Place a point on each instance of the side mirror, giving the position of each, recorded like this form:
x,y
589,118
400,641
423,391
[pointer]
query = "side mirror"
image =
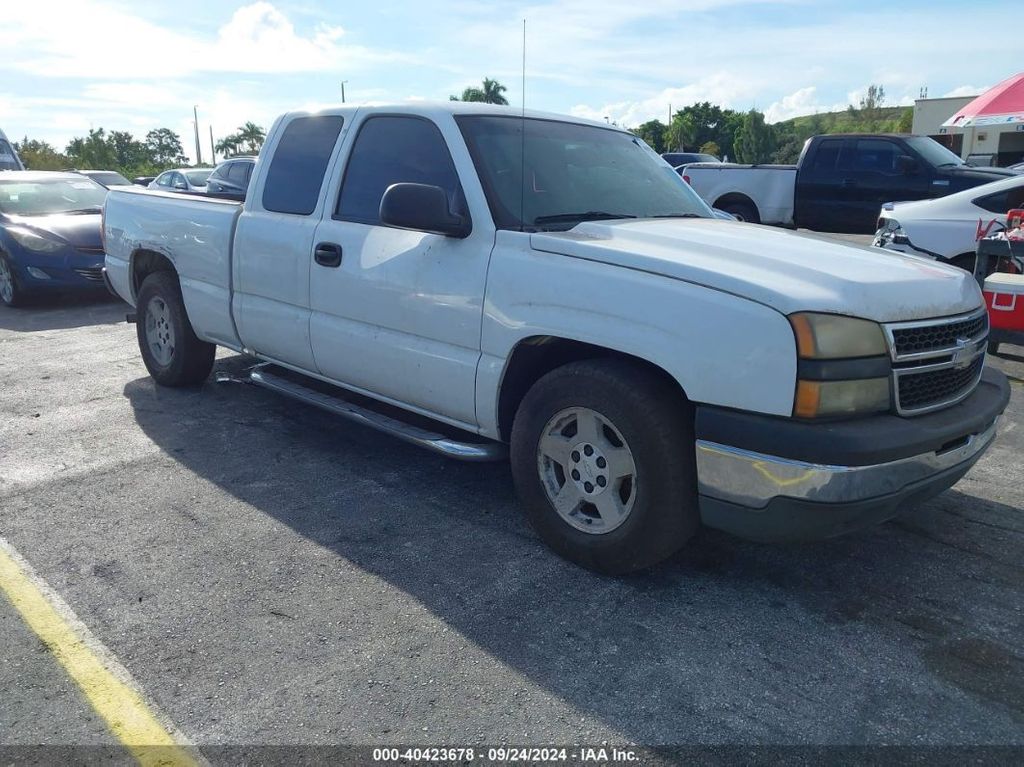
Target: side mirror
x,y
180,185
422,207
906,165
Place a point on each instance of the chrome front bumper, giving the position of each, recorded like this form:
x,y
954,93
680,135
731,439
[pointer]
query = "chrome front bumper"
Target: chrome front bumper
x,y
753,480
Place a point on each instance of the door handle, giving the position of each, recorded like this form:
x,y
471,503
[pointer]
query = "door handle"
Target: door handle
x,y
327,254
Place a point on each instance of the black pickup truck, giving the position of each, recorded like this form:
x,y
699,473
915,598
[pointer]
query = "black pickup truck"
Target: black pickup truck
x,y
840,181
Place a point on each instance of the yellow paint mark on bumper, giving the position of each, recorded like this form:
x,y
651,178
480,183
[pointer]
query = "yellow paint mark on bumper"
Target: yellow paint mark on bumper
x,y
117,702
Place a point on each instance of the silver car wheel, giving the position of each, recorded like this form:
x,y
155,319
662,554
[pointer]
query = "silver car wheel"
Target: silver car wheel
x,y
159,331
587,470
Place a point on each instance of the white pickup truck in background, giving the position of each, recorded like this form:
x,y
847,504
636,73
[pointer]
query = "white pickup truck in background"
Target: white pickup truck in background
x,y
469,278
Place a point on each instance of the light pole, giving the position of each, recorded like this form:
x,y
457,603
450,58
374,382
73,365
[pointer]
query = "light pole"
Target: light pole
x,y
343,91
213,151
199,153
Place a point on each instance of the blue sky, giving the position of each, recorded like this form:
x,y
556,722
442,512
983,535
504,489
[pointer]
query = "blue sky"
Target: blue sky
x,y
69,65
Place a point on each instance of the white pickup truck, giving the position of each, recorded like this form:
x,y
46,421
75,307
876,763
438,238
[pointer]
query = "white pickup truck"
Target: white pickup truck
x,y
468,278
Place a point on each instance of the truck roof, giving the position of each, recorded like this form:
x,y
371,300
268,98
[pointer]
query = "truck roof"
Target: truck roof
x,y
455,108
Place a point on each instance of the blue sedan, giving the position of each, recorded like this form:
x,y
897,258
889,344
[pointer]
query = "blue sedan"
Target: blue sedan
x,y
49,234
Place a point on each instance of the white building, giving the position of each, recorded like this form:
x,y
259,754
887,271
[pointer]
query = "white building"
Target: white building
x,y
983,145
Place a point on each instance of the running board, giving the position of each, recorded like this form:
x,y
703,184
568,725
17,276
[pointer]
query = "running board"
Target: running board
x,y
438,443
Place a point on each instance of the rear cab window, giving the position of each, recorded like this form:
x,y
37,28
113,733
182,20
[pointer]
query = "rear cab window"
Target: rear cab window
x,y
299,164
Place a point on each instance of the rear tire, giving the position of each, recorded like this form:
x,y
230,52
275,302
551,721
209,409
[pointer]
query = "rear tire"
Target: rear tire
x,y
744,211
173,354
603,459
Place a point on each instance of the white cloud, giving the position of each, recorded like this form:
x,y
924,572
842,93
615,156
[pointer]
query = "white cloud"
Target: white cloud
x,y
802,102
965,90
46,38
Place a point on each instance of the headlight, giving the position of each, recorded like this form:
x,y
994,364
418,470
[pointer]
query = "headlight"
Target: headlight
x,y
35,242
833,336
852,385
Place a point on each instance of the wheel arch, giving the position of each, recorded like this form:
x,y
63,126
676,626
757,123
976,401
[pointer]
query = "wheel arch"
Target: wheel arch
x,y
535,356
736,197
145,262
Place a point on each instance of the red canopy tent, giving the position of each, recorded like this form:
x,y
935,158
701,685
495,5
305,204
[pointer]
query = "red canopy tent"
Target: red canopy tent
x,y
1000,104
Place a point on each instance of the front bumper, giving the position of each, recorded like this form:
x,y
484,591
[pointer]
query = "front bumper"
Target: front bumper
x,y
778,479
62,271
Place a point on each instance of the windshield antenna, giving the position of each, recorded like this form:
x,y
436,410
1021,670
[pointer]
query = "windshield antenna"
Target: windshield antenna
x,y
522,145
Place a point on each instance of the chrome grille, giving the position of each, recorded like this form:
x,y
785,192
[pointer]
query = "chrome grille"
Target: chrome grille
x,y
929,338
936,363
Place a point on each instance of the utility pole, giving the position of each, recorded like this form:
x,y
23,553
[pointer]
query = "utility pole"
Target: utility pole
x,y
213,152
199,153
670,113
343,91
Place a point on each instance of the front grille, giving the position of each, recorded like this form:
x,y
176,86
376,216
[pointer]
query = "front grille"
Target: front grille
x,y
93,274
937,337
97,251
917,391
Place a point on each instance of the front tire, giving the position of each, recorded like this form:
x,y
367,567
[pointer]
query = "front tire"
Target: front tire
x,y
11,292
603,459
173,354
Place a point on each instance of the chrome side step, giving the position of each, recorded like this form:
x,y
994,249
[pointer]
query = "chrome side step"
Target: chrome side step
x,y
438,443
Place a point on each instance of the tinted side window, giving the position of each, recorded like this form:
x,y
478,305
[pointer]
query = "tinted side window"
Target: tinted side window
x,y
221,171
872,155
827,154
392,150
236,172
299,163
1001,202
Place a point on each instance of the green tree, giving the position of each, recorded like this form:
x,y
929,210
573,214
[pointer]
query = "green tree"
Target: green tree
x,y
92,152
491,92
680,134
251,137
129,153
905,124
710,147
164,148
653,133
39,155
754,142
227,145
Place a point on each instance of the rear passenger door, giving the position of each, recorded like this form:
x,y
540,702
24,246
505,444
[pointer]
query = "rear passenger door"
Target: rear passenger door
x,y
820,198
397,315
273,245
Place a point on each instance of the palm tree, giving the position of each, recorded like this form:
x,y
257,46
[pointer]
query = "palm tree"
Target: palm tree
x,y
493,91
251,136
227,146
490,93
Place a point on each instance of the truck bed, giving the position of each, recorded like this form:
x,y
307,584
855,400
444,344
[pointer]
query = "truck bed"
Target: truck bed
x,y
194,233
770,188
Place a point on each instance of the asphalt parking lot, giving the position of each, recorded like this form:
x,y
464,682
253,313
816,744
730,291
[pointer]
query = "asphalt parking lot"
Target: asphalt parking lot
x,y
268,574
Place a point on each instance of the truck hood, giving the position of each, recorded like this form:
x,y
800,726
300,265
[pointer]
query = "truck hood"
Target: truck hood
x,y
788,271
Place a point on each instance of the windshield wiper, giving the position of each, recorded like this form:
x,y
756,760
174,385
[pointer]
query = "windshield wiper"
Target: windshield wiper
x,y
678,215
590,215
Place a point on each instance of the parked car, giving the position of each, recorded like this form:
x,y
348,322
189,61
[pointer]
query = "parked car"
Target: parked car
x,y
495,278
182,180
49,233
678,159
949,228
107,178
143,180
230,179
9,159
840,181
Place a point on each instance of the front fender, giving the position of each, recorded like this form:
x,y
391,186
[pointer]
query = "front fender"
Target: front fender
x,y
722,349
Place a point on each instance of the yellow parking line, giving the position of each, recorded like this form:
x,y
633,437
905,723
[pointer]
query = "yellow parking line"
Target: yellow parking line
x,y
104,682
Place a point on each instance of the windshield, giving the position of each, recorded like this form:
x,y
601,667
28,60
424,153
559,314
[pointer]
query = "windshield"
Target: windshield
x,y
109,178
933,152
573,173
198,177
43,197
8,160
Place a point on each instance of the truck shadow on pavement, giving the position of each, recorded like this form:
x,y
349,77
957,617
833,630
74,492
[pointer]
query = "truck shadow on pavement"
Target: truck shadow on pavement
x,y
908,632
63,311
